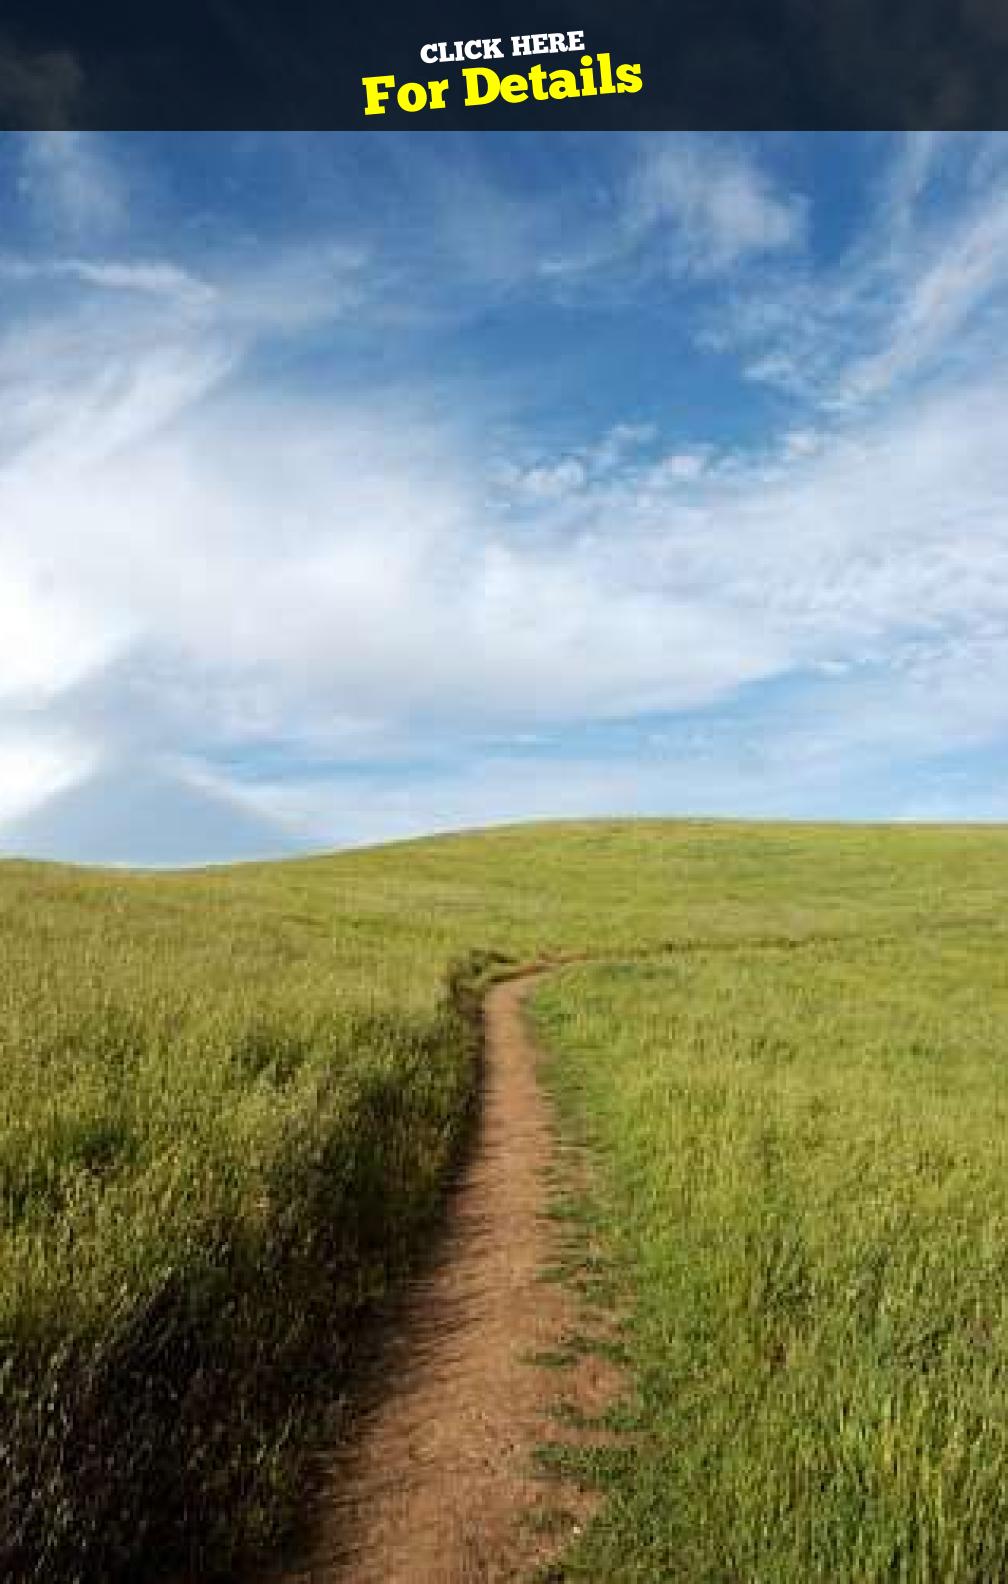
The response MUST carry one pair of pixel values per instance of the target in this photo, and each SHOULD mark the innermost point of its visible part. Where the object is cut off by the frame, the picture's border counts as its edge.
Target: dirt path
(438, 1484)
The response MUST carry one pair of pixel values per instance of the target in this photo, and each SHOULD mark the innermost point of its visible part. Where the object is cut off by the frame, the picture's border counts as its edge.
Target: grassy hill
(229, 1100)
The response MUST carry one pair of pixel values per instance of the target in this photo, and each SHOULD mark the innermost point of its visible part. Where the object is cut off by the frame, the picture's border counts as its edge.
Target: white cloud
(49, 640)
(678, 467)
(33, 766)
(717, 203)
(74, 394)
(557, 478)
(680, 205)
(552, 480)
(800, 443)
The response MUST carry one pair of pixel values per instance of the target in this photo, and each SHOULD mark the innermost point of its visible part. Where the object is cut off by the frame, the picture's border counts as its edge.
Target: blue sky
(356, 486)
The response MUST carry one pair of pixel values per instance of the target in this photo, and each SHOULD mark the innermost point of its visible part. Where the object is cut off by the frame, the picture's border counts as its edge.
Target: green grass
(803, 1184)
(229, 1101)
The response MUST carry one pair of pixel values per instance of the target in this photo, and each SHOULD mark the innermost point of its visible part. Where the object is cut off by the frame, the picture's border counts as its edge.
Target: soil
(438, 1484)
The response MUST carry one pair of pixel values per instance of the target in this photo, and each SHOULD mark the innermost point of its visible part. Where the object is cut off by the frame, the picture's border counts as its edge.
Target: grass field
(229, 1100)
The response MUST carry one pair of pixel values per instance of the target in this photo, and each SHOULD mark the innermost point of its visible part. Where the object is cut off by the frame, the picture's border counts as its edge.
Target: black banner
(545, 65)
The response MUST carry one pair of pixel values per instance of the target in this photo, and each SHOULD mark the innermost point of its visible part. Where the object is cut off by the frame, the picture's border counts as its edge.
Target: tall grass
(804, 1187)
(188, 1245)
(220, 1140)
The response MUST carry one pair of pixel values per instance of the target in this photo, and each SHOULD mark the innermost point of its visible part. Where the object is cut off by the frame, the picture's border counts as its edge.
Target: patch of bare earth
(438, 1484)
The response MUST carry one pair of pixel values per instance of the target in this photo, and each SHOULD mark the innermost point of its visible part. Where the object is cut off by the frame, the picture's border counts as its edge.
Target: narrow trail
(438, 1484)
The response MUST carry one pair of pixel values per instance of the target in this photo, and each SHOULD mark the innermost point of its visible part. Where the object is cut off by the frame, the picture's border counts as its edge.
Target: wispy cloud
(681, 206)
(73, 187)
(712, 204)
(962, 271)
(922, 285)
(156, 277)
